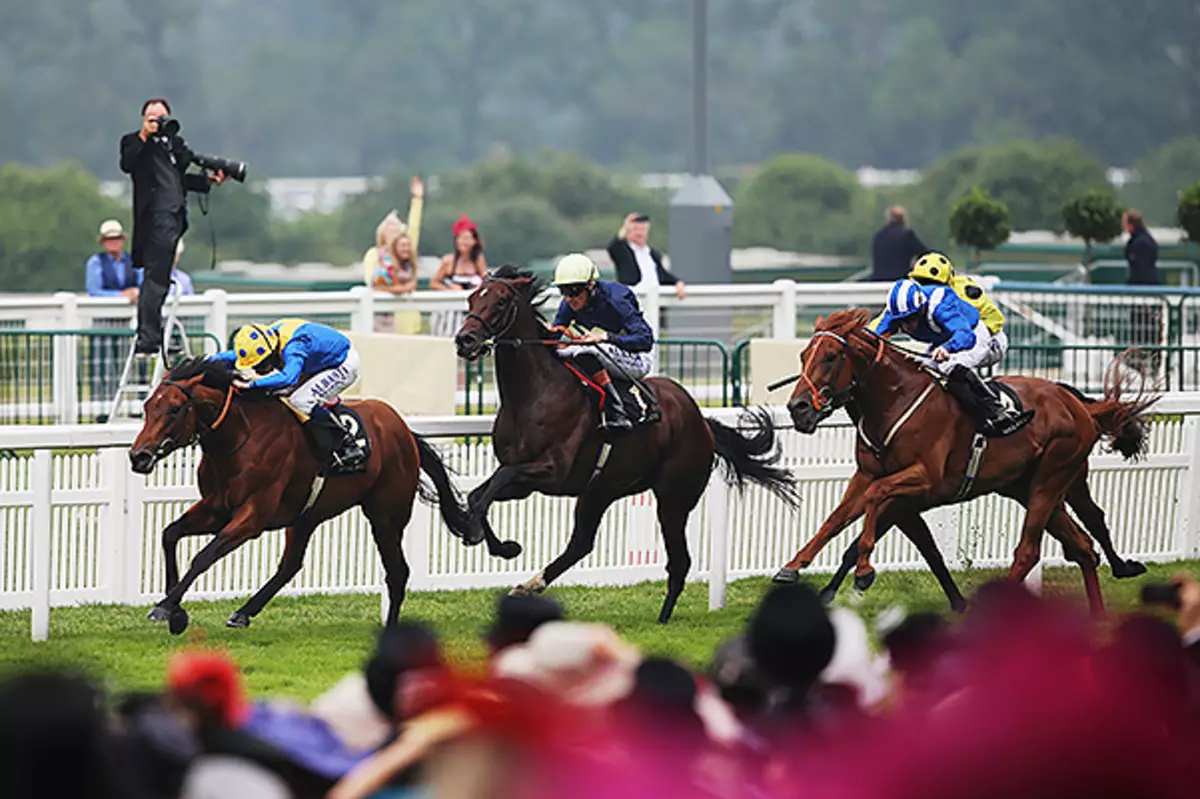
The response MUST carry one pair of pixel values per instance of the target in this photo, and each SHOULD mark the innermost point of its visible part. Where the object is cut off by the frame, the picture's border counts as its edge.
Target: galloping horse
(258, 473)
(918, 443)
(546, 438)
(1130, 443)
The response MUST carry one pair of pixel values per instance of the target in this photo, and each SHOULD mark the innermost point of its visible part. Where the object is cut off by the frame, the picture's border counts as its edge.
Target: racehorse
(924, 443)
(258, 473)
(546, 438)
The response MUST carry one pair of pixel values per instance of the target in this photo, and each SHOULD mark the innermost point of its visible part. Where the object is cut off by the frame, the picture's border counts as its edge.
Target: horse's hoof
(1127, 569)
(238, 620)
(827, 596)
(663, 619)
(958, 605)
(864, 581)
(178, 621)
(519, 590)
(159, 613)
(786, 576)
(507, 550)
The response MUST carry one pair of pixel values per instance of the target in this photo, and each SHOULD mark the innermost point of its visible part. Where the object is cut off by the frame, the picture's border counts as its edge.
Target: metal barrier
(739, 373)
(1169, 368)
(65, 376)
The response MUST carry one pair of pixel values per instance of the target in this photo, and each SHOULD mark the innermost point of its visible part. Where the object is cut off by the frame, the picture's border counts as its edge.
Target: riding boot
(982, 402)
(326, 436)
(612, 415)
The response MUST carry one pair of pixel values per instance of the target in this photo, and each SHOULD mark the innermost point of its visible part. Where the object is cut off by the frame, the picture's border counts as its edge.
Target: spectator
(516, 619)
(895, 247)
(461, 270)
(110, 272)
(181, 281)
(637, 263)
(391, 265)
(1141, 251)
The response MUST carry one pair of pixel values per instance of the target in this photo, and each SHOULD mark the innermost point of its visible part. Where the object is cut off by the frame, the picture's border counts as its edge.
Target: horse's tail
(754, 457)
(454, 513)
(1122, 420)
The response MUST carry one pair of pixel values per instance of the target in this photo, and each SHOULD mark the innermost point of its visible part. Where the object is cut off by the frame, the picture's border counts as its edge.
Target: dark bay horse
(546, 438)
(257, 473)
(925, 443)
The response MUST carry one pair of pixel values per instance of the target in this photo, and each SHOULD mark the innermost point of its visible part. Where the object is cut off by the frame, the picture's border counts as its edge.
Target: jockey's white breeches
(619, 363)
(324, 387)
(985, 352)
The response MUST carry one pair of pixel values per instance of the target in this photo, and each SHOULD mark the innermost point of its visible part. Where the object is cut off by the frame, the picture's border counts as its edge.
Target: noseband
(825, 397)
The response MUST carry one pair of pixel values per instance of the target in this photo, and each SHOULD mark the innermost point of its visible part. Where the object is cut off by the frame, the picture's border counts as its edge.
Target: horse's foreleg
(243, 526)
(294, 547)
(848, 510)
(880, 500)
(589, 510)
(202, 517)
(507, 482)
(1091, 515)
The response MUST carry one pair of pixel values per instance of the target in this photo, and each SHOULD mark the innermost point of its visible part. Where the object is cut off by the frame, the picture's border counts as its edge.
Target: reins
(209, 429)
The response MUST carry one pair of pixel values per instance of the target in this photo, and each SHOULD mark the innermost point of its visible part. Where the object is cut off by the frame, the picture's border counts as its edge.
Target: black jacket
(894, 248)
(1141, 252)
(627, 266)
(149, 164)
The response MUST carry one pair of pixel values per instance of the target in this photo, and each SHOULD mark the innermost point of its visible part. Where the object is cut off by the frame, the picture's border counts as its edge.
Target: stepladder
(143, 371)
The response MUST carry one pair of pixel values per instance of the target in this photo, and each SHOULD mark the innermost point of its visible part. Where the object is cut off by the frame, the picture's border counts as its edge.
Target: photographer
(157, 161)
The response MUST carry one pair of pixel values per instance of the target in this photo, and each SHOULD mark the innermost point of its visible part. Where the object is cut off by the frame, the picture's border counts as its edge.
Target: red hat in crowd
(464, 224)
(212, 679)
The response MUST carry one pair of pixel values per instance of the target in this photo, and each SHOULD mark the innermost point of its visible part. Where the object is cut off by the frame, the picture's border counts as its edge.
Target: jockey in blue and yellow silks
(959, 343)
(287, 350)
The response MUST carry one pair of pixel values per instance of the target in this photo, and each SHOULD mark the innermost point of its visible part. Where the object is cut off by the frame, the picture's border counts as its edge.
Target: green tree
(48, 223)
(1188, 213)
(1162, 175)
(1094, 216)
(802, 203)
(980, 223)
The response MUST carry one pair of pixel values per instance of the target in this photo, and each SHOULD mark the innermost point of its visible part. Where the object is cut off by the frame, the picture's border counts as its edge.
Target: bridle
(494, 334)
(203, 428)
(826, 399)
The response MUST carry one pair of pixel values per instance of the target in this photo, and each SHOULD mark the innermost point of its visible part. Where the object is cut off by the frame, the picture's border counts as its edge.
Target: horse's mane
(212, 374)
(530, 285)
(844, 322)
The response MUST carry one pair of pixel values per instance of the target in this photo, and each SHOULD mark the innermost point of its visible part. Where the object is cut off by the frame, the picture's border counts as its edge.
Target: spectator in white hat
(110, 272)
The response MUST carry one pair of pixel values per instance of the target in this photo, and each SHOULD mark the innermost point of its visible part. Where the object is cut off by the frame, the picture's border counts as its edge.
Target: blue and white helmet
(905, 299)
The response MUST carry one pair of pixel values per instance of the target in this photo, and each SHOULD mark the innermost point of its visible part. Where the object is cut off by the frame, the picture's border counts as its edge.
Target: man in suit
(157, 162)
(637, 263)
(895, 247)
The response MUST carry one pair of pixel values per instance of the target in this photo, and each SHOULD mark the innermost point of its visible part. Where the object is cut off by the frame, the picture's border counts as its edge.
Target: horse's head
(173, 411)
(827, 370)
(502, 307)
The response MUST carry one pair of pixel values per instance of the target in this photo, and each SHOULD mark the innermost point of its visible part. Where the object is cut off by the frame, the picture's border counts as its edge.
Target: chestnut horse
(1130, 444)
(924, 443)
(546, 438)
(258, 471)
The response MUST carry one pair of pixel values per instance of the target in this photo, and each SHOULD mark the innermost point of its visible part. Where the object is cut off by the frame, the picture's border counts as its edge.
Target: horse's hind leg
(295, 545)
(387, 527)
(676, 499)
(1060, 463)
(589, 510)
(1077, 548)
(917, 531)
(1091, 515)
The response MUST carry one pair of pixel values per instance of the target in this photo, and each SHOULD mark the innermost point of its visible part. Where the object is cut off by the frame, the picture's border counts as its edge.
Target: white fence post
(717, 505)
(363, 318)
(217, 321)
(1189, 518)
(784, 318)
(653, 309)
(66, 362)
(42, 484)
(121, 575)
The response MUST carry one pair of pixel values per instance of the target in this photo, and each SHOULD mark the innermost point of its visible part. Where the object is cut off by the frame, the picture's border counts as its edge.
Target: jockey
(959, 342)
(288, 350)
(607, 316)
(935, 269)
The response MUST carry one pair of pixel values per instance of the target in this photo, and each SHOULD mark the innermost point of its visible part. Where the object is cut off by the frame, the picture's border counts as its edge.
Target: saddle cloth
(1008, 396)
(641, 406)
(348, 419)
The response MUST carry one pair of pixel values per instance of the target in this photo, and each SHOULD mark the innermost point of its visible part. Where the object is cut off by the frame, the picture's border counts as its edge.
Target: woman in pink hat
(461, 270)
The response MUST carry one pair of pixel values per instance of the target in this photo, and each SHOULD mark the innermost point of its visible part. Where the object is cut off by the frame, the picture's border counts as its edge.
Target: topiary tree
(1094, 216)
(980, 223)
(1188, 214)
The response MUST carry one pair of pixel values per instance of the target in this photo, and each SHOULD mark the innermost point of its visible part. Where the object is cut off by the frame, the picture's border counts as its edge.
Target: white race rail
(76, 525)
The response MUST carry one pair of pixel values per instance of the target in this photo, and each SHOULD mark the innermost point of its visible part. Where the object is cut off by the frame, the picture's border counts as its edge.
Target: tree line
(331, 88)
(539, 206)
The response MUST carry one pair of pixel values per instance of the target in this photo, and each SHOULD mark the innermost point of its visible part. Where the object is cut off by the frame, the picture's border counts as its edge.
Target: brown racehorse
(257, 473)
(1079, 498)
(926, 441)
(546, 438)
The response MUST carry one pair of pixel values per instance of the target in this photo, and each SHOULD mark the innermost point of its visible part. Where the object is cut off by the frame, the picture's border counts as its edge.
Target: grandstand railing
(76, 525)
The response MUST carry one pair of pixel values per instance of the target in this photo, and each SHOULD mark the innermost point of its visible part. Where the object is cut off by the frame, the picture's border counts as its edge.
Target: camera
(214, 163)
(167, 126)
(1161, 594)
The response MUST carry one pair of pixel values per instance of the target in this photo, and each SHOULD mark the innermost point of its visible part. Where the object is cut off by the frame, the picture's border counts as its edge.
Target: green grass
(300, 646)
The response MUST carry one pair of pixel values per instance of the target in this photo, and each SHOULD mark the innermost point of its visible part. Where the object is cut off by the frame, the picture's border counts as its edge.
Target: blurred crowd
(1019, 697)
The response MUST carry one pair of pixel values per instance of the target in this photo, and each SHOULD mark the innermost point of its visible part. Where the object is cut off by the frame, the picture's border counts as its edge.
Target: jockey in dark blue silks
(607, 317)
(959, 343)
